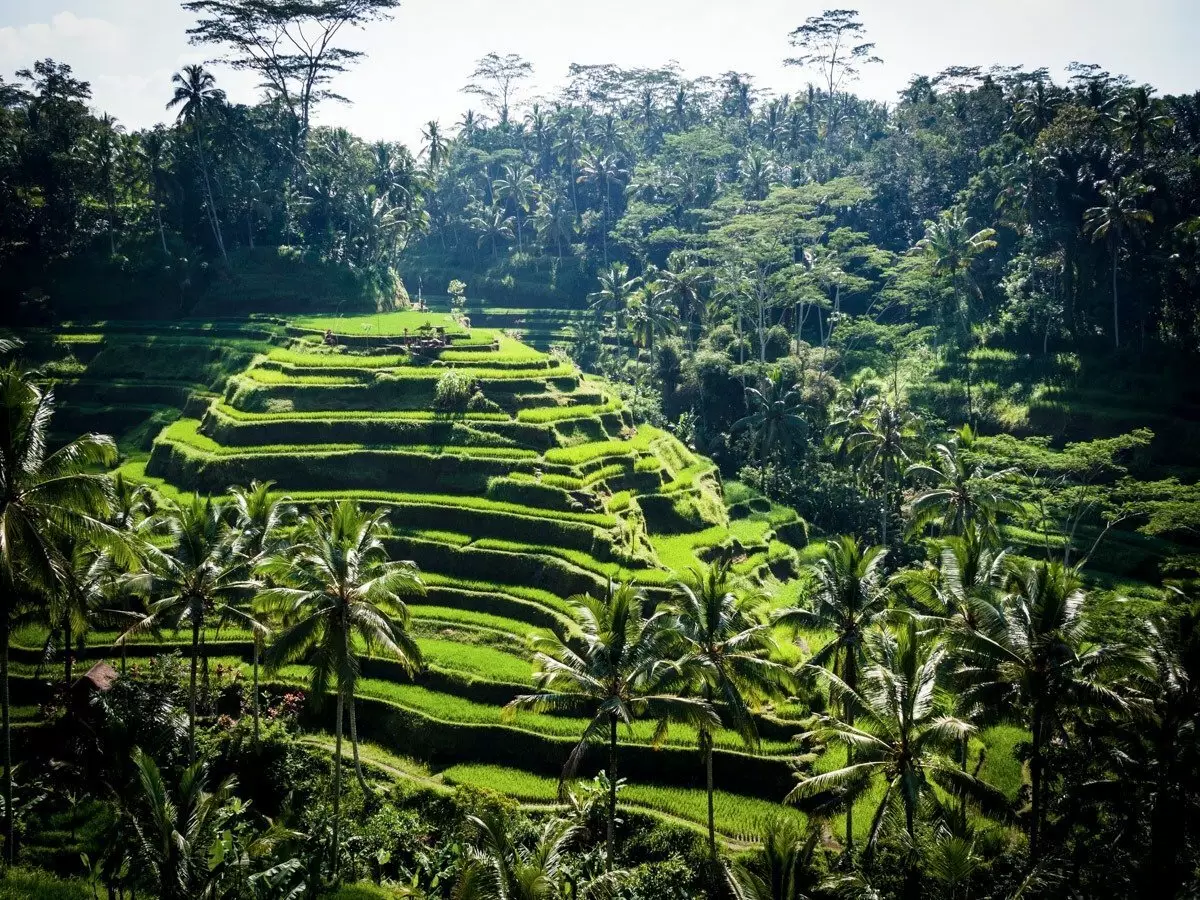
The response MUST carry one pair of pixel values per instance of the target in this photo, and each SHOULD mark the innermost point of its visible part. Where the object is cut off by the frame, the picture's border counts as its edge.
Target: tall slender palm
(336, 586)
(849, 599)
(956, 495)
(260, 518)
(44, 497)
(604, 171)
(493, 225)
(882, 449)
(617, 289)
(195, 91)
(652, 316)
(617, 670)
(554, 218)
(434, 147)
(85, 584)
(901, 738)
(952, 249)
(194, 577)
(155, 146)
(518, 189)
(1116, 221)
(1036, 657)
(682, 282)
(726, 651)
(775, 417)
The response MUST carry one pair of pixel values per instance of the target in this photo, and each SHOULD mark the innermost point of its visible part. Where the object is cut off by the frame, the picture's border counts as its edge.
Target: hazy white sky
(417, 63)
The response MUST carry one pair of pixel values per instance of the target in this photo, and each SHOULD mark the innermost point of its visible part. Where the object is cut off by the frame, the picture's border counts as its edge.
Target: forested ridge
(853, 441)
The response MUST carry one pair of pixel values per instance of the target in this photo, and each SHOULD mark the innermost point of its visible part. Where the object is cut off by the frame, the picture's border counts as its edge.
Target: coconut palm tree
(617, 289)
(195, 92)
(86, 581)
(783, 870)
(499, 867)
(260, 518)
(956, 495)
(194, 577)
(616, 670)
(493, 224)
(882, 449)
(849, 599)
(775, 417)
(952, 249)
(726, 652)
(604, 171)
(898, 737)
(554, 217)
(434, 147)
(44, 498)
(1116, 221)
(335, 586)
(1036, 658)
(651, 316)
(681, 282)
(517, 188)
(155, 147)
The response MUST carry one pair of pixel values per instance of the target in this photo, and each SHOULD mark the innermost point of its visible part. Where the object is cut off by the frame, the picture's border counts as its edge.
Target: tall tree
(849, 599)
(832, 44)
(291, 45)
(190, 579)
(1116, 221)
(727, 652)
(336, 587)
(196, 91)
(775, 417)
(44, 497)
(616, 670)
(497, 79)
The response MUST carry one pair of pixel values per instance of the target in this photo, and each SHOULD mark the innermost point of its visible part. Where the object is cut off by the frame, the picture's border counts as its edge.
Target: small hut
(98, 679)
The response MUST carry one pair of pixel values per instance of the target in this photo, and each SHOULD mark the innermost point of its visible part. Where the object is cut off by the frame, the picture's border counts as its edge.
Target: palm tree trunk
(612, 789)
(254, 704)
(208, 195)
(337, 781)
(354, 747)
(192, 692)
(848, 715)
(1116, 316)
(67, 656)
(162, 232)
(6, 725)
(1035, 781)
(707, 741)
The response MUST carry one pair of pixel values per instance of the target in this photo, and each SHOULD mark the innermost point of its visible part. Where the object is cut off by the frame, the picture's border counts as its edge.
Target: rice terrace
(631, 484)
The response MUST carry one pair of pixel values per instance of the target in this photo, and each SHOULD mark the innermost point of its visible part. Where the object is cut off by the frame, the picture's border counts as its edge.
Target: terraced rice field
(539, 489)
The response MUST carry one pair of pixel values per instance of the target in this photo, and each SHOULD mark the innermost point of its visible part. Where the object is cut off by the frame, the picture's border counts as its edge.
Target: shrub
(453, 391)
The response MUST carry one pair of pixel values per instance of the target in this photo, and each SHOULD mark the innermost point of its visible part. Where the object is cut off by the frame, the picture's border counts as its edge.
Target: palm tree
(335, 586)
(783, 870)
(901, 738)
(104, 150)
(882, 448)
(1116, 221)
(44, 497)
(603, 170)
(435, 147)
(259, 518)
(952, 249)
(850, 598)
(518, 188)
(493, 224)
(651, 316)
(174, 835)
(757, 173)
(195, 91)
(615, 671)
(554, 218)
(773, 419)
(681, 282)
(569, 147)
(155, 146)
(195, 576)
(727, 652)
(84, 585)
(617, 289)
(1036, 657)
(958, 495)
(500, 868)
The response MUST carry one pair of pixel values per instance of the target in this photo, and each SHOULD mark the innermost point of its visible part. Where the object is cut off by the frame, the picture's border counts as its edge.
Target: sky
(417, 63)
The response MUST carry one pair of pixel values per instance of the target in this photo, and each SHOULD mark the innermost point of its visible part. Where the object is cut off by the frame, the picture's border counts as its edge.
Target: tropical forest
(667, 486)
